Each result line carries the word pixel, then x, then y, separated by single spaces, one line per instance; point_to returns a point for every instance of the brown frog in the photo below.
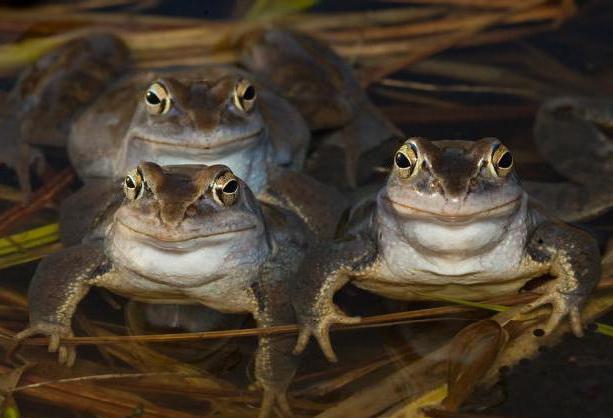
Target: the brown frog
pixel 212 116
pixel 452 220
pixel 184 234
pixel 574 135
pixel 323 88
pixel 51 93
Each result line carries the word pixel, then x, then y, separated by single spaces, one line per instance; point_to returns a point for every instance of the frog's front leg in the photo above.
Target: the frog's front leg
pixel 325 270
pixel 60 282
pixel 574 260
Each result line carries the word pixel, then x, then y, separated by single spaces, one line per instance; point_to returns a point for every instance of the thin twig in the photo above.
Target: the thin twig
pixel 40 198
pixel 100 377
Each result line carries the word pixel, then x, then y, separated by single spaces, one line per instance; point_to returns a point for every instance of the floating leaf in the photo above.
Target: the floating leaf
pixel 472 353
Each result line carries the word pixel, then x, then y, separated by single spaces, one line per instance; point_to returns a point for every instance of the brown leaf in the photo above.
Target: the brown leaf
pixel 473 351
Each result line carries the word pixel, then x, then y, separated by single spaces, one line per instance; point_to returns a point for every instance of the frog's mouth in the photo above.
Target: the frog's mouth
pixel 172 242
pixel 405 210
pixel 237 142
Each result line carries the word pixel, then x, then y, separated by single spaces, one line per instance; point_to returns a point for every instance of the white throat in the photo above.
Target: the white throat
pixel 431 251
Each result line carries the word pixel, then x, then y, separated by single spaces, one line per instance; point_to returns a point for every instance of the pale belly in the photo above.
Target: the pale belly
pixel 226 294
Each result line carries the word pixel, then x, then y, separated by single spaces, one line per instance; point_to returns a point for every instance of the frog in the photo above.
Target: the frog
pixel 573 134
pixel 50 94
pixel 184 234
pixel 209 116
pixel 212 116
pixel 114 117
pixel 87 96
pixel 452 220
pixel 323 87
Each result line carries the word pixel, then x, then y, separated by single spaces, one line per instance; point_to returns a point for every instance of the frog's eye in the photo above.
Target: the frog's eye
pixel 157 99
pixel 133 185
pixel 502 161
pixel 405 160
pixel 226 188
pixel 244 96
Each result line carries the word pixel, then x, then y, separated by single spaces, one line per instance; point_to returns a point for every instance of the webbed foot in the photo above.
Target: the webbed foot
pixel 319 327
pixel 563 305
pixel 66 353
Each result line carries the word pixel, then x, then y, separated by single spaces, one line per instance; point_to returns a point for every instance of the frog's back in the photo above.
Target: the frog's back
pixel 64 82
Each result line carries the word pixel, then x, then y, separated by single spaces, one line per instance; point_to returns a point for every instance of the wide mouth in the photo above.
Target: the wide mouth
pixel 165 240
pixel 457 218
pixel 240 140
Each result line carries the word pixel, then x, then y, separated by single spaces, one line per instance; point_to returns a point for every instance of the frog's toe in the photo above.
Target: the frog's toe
pixel 303 339
pixel 562 306
pixel 322 333
pixel 576 324
pixel 274 398
pixel 66 354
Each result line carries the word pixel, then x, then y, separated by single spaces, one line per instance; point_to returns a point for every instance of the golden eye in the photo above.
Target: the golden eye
pixel 244 95
pixel 502 161
pixel 226 188
pixel 157 99
pixel 405 160
pixel 133 185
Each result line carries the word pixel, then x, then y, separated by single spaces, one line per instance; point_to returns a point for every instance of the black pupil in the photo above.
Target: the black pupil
pixel 230 186
pixel 402 161
pixel 130 183
pixel 249 93
pixel 152 98
pixel 505 161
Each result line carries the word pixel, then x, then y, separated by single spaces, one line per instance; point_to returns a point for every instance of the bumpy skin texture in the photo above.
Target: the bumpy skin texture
pixel 51 93
pixel 572 256
pixel 323 88
pixel 204 123
pixel 455 223
pixel 184 234
pixel 573 135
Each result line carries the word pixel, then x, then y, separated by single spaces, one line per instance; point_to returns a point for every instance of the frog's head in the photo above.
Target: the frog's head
pixel 462 186
pixel 192 221
pixel 212 121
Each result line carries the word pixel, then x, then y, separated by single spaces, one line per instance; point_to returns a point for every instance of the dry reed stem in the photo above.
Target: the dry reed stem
pixel 93 399
pixel 387 319
pixel 455 22
pixel 453 40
